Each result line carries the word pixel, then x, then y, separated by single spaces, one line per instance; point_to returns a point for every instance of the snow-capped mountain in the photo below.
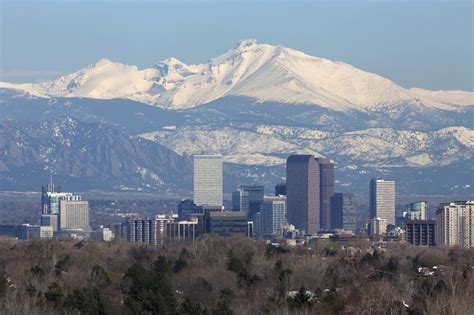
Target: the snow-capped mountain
pixel 255 104
pixel 270 145
pixel 260 71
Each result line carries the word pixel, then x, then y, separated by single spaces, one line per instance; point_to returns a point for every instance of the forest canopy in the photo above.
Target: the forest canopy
pixel 234 275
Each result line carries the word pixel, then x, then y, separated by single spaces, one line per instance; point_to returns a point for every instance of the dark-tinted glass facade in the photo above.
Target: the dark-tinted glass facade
pixel 227 223
pixel 240 201
pixel 248 198
pixel 326 180
pixel 421 232
pixel 343 211
pixel 186 208
pixel 280 189
pixel 303 193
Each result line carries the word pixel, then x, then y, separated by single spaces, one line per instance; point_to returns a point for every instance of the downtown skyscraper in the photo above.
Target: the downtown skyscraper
pixel 343 212
pixel 382 200
pixel 326 191
pixel 248 198
pixel 303 192
pixel 208 187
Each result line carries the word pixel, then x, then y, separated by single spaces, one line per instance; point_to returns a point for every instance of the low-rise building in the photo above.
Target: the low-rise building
pixel 182 230
pixel 102 234
pixel 227 223
pixel 377 226
pixel 421 232
pixel 34 232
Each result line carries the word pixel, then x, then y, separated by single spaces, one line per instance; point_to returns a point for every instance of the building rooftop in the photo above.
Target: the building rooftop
pixel 227 214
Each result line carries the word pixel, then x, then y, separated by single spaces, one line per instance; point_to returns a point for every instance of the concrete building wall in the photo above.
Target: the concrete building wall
pixel 382 200
pixel 208 182
pixel 74 214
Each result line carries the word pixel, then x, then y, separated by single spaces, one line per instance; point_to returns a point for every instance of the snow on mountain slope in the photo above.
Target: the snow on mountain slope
pixel 237 146
pixel 443 97
pixel 268 144
pixel 261 71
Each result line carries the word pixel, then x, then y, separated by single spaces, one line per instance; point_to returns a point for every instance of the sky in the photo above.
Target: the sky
pixel 427 44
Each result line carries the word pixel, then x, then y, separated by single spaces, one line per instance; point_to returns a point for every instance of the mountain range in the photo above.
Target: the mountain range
pixel 255 104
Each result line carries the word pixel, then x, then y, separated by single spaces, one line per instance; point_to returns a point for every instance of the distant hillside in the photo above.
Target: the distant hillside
pixel 86 156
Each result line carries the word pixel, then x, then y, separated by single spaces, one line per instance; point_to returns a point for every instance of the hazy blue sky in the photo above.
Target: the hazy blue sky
pixel 426 44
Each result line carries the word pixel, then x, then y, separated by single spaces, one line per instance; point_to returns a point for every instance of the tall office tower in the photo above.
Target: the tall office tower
pixel 343 212
pixel 455 224
pixel 303 193
pixel 280 189
pixel 208 180
pixel 251 199
pixel 257 225
pixel 50 201
pixel 51 197
pixel 273 216
pixel 416 211
pixel 73 214
pixel 46 193
pixel 326 191
pixel 382 199
pixel 240 201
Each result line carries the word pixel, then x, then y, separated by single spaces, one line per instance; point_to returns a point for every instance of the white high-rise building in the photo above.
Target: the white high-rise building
pixel 73 215
pixel 273 215
pixel 208 189
pixel 455 224
pixel 382 199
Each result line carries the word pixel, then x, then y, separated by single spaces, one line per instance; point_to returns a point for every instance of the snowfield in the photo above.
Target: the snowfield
pixel 261 71
pixel 269 145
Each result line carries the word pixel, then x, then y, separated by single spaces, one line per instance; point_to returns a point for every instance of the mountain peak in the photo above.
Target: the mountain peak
pixel 244 43
pixel 260 71
pixel 172 61
pixel 103 62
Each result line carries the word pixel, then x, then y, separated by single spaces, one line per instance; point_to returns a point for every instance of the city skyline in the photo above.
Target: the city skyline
pixel 236 157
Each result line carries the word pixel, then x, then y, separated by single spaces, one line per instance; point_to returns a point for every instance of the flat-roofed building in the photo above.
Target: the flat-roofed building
pixel 377 227
pixel 343 212
pixel 421 232
pixel 208 181
pixel 455 224
pixel 227 223
pixel 326 191
pixel 273 216
pixel 182 230
pixel 102 234
pixel 382 200
pixel 73 215
pixel 50 220
pixel 35 232
pixel 303 193
pixel 140 231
